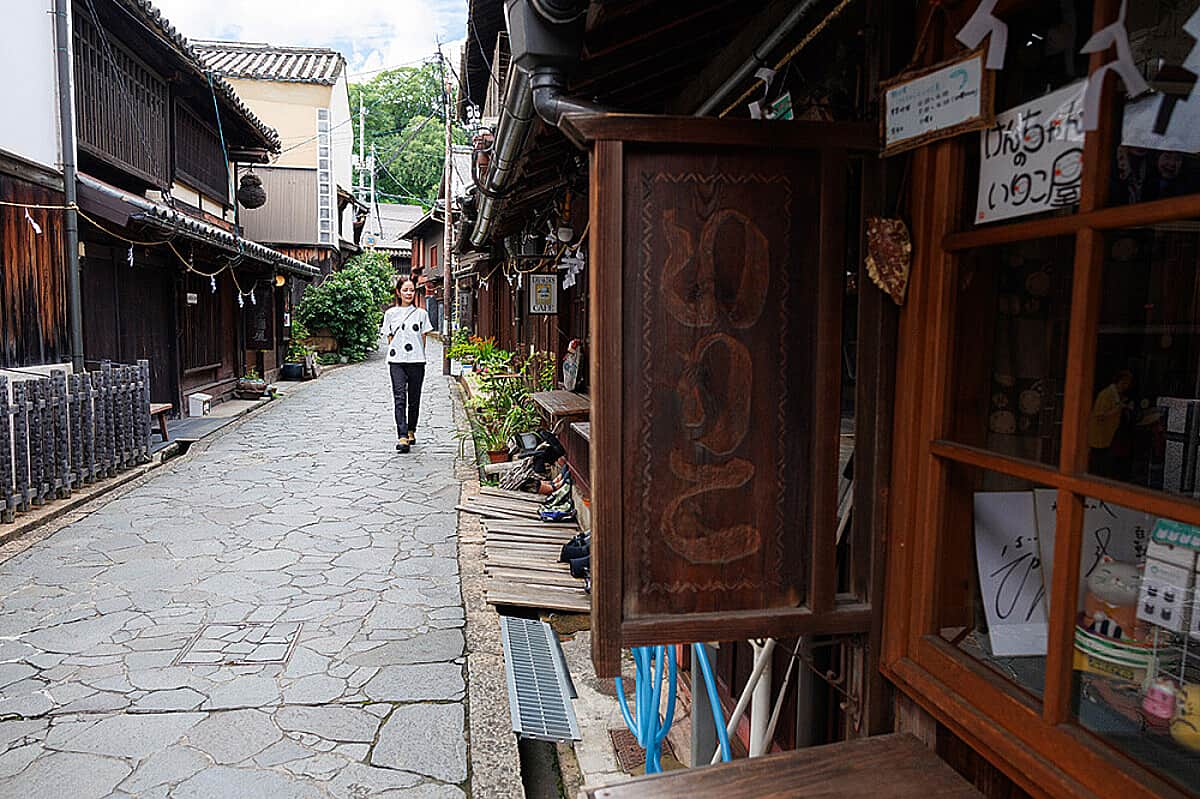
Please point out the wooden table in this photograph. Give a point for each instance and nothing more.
(895, 766)
(561, 406)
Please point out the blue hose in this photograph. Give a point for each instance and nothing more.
(643, 720)
(710, 685)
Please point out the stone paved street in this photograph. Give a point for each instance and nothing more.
(276, 615)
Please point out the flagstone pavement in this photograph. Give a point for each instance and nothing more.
(276, 615)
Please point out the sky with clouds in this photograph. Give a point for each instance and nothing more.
(372, 34)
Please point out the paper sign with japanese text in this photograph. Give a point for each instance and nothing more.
(936, 103)
(1031, 157)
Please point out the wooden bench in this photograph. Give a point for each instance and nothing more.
(562, 406)
(895, 766)
(159, 410)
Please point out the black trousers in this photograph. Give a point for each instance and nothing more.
(406, 393)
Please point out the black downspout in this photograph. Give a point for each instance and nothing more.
(66, 118)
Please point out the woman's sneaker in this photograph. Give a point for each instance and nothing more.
(402, 445)
(412, 438)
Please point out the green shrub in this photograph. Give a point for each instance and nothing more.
(349, 303)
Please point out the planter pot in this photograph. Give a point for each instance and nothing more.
(291, 371)
(250, 389)
(497, 455)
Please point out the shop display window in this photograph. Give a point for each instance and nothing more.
(1136, 641)
(1054, 389)
(992, 601)
(1013, 305)
(1144, 419)
(1155, 155)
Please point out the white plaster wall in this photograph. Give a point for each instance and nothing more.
(343, 132)
(29, 91)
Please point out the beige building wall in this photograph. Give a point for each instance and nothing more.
(290, 108)
(290, 214)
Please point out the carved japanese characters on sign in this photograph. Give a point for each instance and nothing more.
(1031, 157)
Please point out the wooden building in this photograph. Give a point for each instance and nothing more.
(166, 274)
(1012, 585)
(302, 93)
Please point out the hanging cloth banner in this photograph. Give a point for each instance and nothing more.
(1114, 35)
(1031, 159)
(1162, 122)
(982, 24)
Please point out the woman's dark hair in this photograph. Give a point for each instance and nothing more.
(399, 285)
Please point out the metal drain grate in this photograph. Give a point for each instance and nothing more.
(539, 687)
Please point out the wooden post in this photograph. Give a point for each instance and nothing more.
(37, 479)
(75, 413)
(8, 503)
(87, 396)
(62, 433)
(144, 412)
(100, 464)
(49, 454)
(110, 444)
(121, 404)
(21, 444)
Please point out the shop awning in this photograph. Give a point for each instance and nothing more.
(121, 207)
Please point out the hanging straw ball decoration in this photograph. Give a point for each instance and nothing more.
(251, 193)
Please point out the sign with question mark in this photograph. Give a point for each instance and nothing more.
(936, 103)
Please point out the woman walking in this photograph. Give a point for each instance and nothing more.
(406, 327)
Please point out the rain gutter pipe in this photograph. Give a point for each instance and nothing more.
(758, 58)
(66, 121)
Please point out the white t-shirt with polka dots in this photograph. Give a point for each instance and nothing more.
(406, 327)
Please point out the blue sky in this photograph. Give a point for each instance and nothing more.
(372, 34)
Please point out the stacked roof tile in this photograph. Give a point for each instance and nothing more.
(266, 62)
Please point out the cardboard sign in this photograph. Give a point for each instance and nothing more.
(543, 294)
(1010, 572)
(936, 103)
(1031, 157)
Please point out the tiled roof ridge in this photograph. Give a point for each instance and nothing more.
(221, 44)
(155, 18)
(265, 61)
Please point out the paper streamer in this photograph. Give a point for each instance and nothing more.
(129, 256)
(982, 23)
(1167, 104)
(1113, 35)
(767, 76)
(36, 227)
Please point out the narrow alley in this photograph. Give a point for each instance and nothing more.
(276, 614)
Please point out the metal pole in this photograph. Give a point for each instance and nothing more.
(66, 120)
(704, 730)
(360, 186)
(760, 704)
(447, 220)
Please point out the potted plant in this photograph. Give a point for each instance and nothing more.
(297, 354)
(250, 385)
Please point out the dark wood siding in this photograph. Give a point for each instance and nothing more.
(33, 304)
(121, 105)
(199, 159)
(129, 313)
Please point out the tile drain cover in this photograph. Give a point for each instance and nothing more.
(241, 644)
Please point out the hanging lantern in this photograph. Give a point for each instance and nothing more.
(251, 193)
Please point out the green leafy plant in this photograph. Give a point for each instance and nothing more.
(251, 376)
(297, 350)
(349, 303)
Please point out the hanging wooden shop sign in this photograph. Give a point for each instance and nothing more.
(937, 102)
(714, 242)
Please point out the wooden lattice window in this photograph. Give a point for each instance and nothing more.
(121, 105)
(201, 326)
(199, 158)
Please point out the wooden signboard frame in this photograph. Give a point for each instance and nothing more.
(680, 553)
(987, 102)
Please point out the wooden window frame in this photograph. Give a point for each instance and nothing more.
(1039, 745)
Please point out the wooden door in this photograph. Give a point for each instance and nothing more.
(717, 260)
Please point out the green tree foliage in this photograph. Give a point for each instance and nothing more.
(405, 123)
(349, 304)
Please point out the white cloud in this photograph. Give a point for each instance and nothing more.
(372, 34)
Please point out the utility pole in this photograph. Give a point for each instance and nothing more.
(447, 220)
(361, 184)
